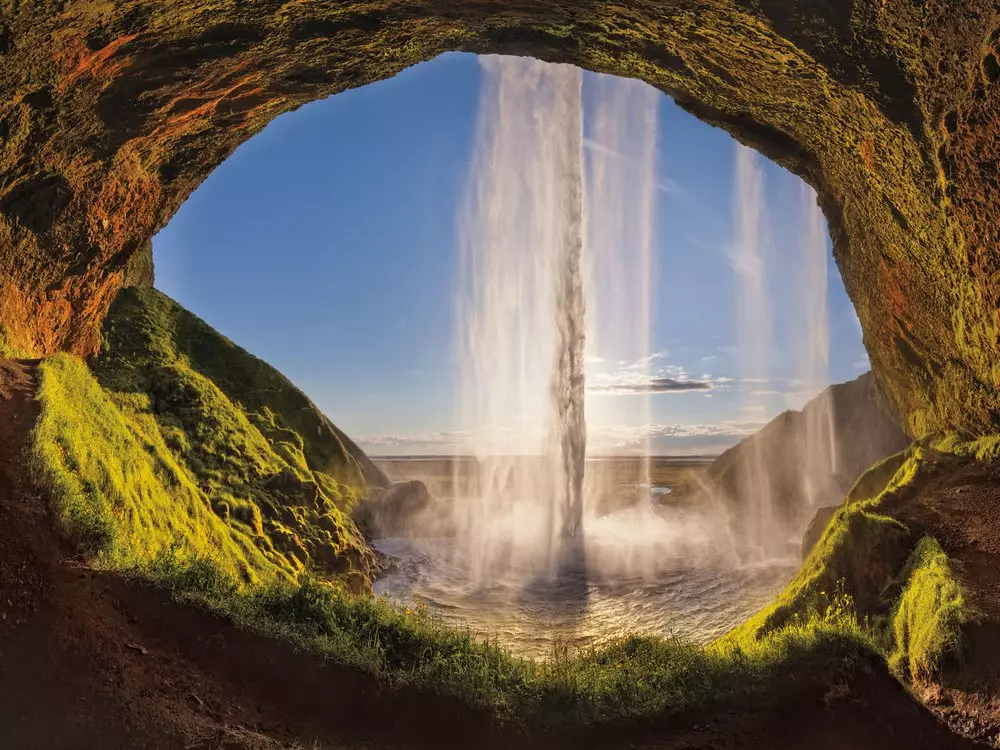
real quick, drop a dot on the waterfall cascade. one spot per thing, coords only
(766, 532)
(751, 230)
(551, 219)
(521, 322)
(621, 150)
(556, 269)
(820, 444)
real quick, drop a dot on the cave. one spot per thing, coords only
(114, 113)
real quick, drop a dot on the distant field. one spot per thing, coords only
(617, 475)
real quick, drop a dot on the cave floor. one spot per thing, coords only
(91, 660)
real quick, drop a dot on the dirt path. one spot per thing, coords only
(91, 661)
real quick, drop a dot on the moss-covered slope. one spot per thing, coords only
(181, 444)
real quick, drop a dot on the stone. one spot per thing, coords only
(394, 510)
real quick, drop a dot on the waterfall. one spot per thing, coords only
(552, 226)
(621, 191)
(520, 322)
(765, 531)
(820, 464)
(750, 226)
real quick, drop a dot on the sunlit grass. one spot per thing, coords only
(928, 618)
(629, 677)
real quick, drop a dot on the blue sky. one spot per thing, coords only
(327, 246)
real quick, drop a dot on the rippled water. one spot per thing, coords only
(669, 582)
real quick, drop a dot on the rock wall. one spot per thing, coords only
(111, 113)
(784, 462)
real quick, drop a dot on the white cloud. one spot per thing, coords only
(600, 438)
(646, 375)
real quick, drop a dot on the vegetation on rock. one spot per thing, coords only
(156, 453)
(928, 618)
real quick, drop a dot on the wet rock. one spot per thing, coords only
(394, 510)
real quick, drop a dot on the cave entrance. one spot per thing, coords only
(330, 245)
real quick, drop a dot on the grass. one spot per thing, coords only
(928, 618)
(147, 453)
(631, 677)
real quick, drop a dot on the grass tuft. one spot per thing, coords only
(928, 618)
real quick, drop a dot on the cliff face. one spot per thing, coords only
(111, 113)
(803, 460)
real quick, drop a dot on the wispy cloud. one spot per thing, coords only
(622, 438)
(646, 375)
(653, 385)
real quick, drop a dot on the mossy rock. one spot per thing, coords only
(158, 452)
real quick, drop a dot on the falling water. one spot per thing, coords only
(521, 322)
(556, 253)
(621, 190)
(750, 224)
(820, 446)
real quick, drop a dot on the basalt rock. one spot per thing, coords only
(111, 113)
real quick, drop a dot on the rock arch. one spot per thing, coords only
(112, 113)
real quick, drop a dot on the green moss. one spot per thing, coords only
(982, 448)
(152, 455)
(117, 491)
(928, 618)
(9, 350)
(146, 333)
(857, 556)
